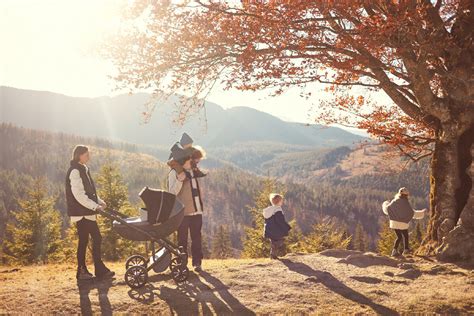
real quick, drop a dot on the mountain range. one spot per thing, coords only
(120, 118)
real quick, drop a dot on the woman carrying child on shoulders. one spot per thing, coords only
(183, 182)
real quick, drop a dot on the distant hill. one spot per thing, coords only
(119, 118)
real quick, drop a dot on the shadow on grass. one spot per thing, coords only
(333, 284)
(102, 286)
(192, 297)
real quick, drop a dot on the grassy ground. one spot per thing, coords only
(303, 284)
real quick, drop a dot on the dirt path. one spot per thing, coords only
(307, 284)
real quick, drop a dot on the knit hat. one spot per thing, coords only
(403, 191)
(186, 140)
(181, 154)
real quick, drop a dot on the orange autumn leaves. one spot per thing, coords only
(190, 46)
(385, 122)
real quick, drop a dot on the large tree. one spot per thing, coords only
(419, 53)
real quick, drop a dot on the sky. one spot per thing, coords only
(50, 45)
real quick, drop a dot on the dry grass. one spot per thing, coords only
(302, 284)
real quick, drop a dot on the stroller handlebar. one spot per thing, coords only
(117, 213)
(111, 214)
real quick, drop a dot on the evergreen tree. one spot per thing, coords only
(221, 244)
(254, 244)
(69, 244)
(360, 240)
(294, 241)
(114, 192)
(326, 234)
(34, 236)
(386, 239)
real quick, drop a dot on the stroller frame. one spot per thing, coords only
(137, 266)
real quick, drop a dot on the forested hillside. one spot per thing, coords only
(228, 190)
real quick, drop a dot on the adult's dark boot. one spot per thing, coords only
(83, 274)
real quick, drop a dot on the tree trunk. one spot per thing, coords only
(451, 227)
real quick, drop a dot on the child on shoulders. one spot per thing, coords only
(186, 143)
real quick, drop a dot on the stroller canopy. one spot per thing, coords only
(159, 204)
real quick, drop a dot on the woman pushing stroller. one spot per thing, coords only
(82, 206)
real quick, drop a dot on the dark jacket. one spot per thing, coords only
(74, 208)
(276, 226)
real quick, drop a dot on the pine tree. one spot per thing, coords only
(254, 244)
(326, 234)
(386, 239)
(221, 245)
(114, 192)
(69, 244)
(360, 241)
(35, 234)
(294, 241)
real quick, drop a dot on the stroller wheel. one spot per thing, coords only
(179, 270)
(136, 276)
(135, 260)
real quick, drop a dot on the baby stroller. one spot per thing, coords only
(161, 217)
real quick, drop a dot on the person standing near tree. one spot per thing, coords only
(82, 206)
(400, 214)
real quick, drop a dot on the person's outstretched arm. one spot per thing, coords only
(419, 214)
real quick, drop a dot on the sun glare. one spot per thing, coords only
(45, 38)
